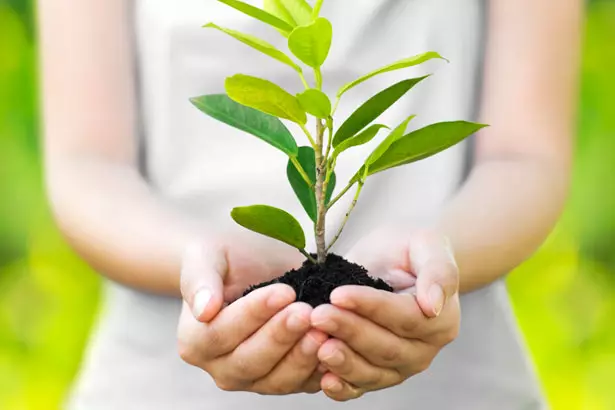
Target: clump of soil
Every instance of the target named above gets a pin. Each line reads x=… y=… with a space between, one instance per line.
x=314 y=283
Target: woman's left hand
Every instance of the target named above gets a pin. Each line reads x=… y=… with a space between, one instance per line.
x=380 y=339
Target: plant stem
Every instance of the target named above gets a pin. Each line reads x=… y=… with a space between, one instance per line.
x=301 y=171
x=350 y=209
x=318 y=78
x=304 y=81
x=308 y=256
x=309 y=136
x=316 y=11
x=330 y=139
x=330 y=168
x=341 y=194
x=329 y=164
x=321 y=249
x=337 y=103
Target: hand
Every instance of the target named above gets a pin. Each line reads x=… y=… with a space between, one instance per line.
x=380 y=339
x=261 y=343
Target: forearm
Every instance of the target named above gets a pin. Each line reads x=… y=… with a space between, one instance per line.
x=502 y=215
x=118 y=225
x=514 y=196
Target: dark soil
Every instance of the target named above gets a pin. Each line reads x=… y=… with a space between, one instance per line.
x=314 y=283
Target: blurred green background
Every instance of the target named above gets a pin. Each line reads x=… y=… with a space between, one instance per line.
x=564 y=296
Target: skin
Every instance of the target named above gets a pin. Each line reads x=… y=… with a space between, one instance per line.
x=501 y=215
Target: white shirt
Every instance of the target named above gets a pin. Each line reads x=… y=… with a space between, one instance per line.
x=207 y=168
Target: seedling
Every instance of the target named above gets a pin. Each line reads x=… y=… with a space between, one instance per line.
x=258 y=106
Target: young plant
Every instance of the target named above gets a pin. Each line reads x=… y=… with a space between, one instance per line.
x=257 y=106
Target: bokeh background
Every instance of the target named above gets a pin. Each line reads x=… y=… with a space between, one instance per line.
x=564 y=297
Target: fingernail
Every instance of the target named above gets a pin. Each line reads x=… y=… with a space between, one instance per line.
x=327 y=326
x=201 y=300
x=336 y=359
x=310 y=345
x=296 y=323
x=436 y=298
x=335 y=387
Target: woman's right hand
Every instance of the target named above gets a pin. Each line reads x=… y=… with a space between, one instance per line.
x=262 y=342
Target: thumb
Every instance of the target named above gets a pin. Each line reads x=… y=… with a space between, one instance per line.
x=202 y=287
x=432 y=261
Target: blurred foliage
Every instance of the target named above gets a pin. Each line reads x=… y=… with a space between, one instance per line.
x=47 y=296
x=564 y=297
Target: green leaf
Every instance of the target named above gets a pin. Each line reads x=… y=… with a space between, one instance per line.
x=264 y=126
x=407 y=62
x=423 y=143
x=311 y=43
x=259 y=45
x=294 y=12
x=259 y=14
x=315 y=102
x=372 y=108
x=272 y=222
x=265 y=96
x=305 y=193
x=396 y=134
x=361 y=138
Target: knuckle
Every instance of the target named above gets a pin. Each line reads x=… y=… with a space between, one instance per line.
x=422 y=365
x=407 y=327
x=228 y=385
x=280 y=388
x=281 y=336
x=450 y=335
x=299 y=359
x=392 y=353
x=243 y=370
x=371 y=309
x=374 y=379
x=240 y=369
x=188 y=352
x=212 y=339
x=349 y=331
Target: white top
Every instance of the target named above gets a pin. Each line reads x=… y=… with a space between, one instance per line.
x=207 y=168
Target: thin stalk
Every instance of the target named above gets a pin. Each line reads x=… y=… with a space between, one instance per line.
x=330 y=168
x=304 y=174
x=330 y=139
x=350 y=209
x=316 y=11
x=304 y=81
x=337 y=103
x=341 y=194
x=308 y=256
x=321 y=207
x=318 y=78
x=309 y=137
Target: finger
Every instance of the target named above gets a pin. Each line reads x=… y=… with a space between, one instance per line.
x=376 y=344
x=240 y=320
x=432 y=261
x=436 y=284
x=354 y=369
x=399 y=313
x=312 y=385
x=260 y=353
x=293 y=372
x=201 y=280
x=339 y=390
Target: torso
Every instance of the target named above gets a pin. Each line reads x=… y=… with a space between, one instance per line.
x=201 y=166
